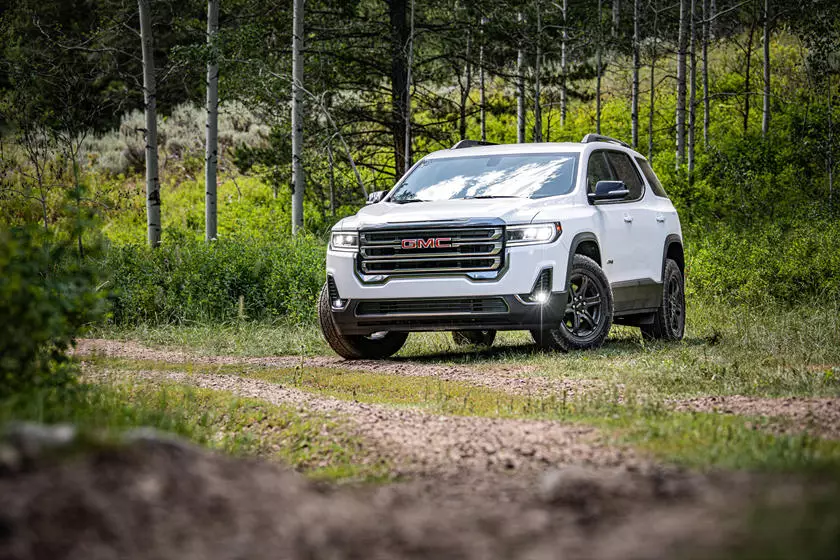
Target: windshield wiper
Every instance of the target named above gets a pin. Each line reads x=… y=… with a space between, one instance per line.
x=492 y=196
x=410 y=200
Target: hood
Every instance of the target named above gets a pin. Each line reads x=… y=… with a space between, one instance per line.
x=510 y=210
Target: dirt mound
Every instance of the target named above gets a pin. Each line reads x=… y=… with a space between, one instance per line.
x=165 y=499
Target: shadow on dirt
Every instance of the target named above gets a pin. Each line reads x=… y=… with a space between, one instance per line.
x=612 y=349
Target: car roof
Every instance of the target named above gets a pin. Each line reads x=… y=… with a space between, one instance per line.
x=526 y=149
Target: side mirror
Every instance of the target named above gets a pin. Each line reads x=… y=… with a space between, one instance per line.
x=608 y=190
x=375 y=197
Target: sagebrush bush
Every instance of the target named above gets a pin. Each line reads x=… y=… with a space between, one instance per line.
x=201 y=282
x=46 y=299
x=180 y=138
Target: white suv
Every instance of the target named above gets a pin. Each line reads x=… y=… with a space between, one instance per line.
x=558 y=239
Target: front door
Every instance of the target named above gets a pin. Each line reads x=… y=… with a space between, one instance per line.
x=619 y=238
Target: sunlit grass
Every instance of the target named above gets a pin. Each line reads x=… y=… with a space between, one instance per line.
x=320 y=447
x=700 y=440
x=768 y=351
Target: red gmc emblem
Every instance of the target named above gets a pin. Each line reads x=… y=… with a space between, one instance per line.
x=431 y=243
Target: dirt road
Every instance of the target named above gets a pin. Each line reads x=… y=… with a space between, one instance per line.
x=816 y=416
x=474 y=487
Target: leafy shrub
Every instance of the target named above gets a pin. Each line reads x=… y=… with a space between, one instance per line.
x=781 y=263
x=197 y=281
x=46 y=299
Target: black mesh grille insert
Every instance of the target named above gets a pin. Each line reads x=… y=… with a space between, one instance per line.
x=543 y=283
x=332 y=289
x=445 y=306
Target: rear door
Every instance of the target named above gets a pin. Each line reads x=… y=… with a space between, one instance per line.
x=659 y=219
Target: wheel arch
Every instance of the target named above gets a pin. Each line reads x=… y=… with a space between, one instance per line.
x=584 y=243
x=673 y=250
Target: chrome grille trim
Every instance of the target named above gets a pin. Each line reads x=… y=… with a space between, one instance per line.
x=470 y=249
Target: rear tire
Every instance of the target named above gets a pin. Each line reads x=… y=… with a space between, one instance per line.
x=669 y=319
x=474 y=338
x=356 y=347
x=589 y=311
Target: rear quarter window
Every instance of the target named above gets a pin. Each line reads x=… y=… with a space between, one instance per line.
x=651 y=177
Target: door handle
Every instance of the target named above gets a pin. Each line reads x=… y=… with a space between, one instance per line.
x=660 y=218
x=628 y=218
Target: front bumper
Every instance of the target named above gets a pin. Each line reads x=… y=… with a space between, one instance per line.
x=507 y=312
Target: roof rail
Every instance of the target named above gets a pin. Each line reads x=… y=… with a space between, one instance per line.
x=599 y=138
x=471 y=144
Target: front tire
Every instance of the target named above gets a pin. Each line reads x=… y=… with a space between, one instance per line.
x=669 y=319
x=474 y=338
x=356 y=347
x=589 y=311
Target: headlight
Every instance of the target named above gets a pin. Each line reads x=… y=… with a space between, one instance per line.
x=344 y=241
x=532 y=234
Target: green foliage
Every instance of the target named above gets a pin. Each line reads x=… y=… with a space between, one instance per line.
x=197 y=281
x=785 y=263
x=46 y=299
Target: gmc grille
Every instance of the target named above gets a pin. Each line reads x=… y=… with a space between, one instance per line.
x=472 y=249
x=422 y=306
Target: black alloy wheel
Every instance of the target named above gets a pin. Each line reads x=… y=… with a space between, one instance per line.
x=669 y=319
x=589 y=311
x=584 y=312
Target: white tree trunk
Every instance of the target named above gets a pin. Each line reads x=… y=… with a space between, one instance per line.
x=652 y=80
x=563 y=69
x=150 y=101
x=331 y=178
x=706 y=115
x=765 y=115
x=598 y=70
x=211 y=146
x=616 y=16
x=466 y=88
x=692 y=91
x=520 y=92
x=681 y=81
x=409 y=64
x=634 y=109
x=298 y=180
x=538 y=135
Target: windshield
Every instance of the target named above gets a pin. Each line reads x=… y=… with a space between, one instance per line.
x=498 y=176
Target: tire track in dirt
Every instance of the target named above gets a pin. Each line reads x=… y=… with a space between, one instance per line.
x=819 y=417
x=421 y=443
x=504 y=378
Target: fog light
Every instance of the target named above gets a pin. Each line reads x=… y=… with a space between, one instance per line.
x=541 y=297
x=339 y=303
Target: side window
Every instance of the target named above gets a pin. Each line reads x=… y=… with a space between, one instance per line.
x=597 y=170
x=651 y=177
x=626 y=171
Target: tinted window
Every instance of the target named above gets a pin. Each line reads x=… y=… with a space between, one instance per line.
x=626 y=171
x=651 y=177
x=597 y=170
x=490 y=176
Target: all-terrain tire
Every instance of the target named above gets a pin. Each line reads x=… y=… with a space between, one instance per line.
x=356 y=347
x=474 y=338
x=590 y=302
x=669 y=319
